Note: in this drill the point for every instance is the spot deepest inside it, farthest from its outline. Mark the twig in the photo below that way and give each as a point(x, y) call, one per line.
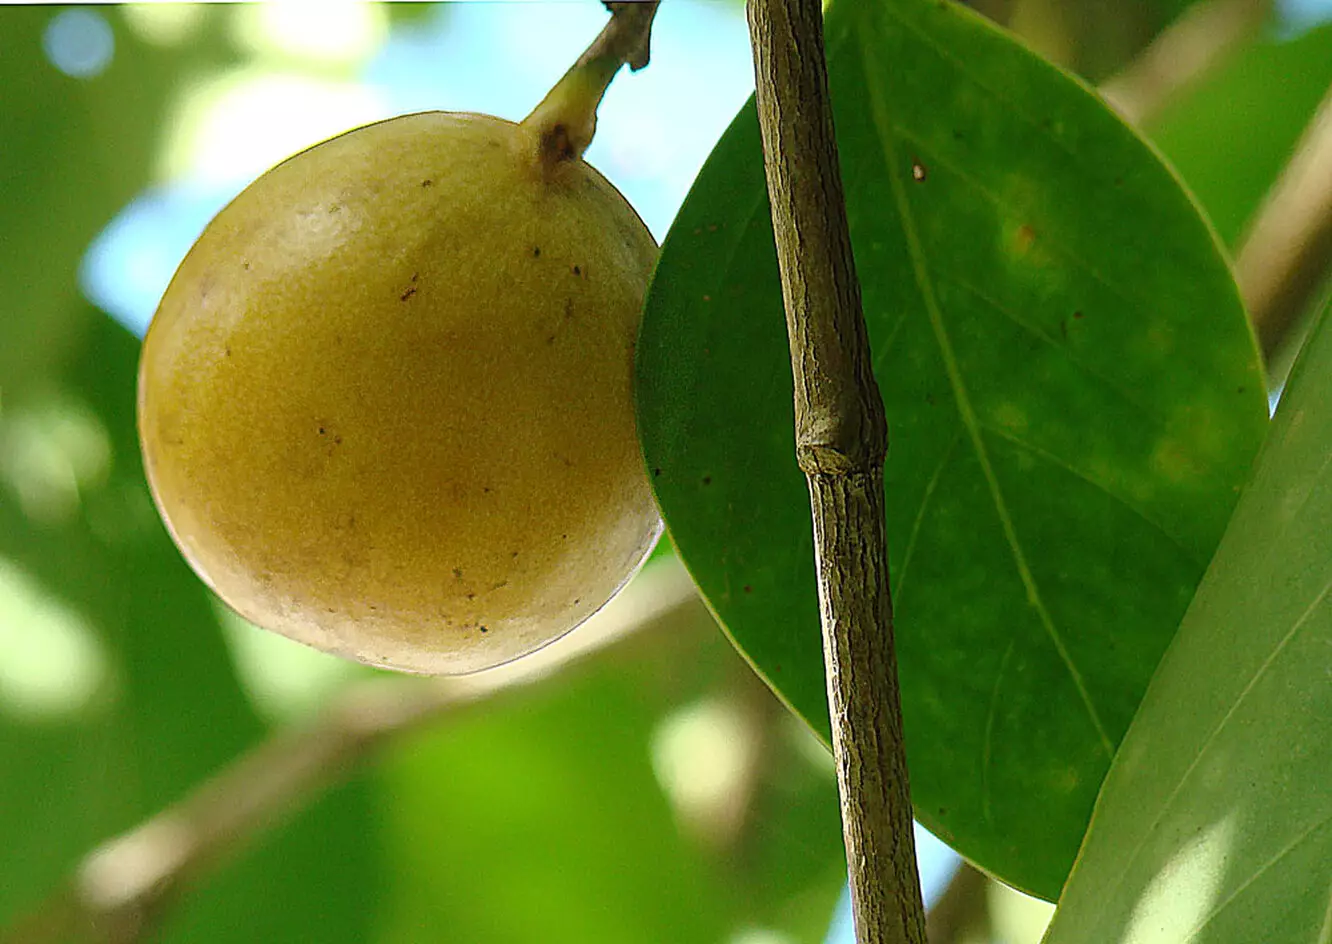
point(1200, 40)
point(119, 889)
point(1287, 253)
point(565, 121)
point(841, 441)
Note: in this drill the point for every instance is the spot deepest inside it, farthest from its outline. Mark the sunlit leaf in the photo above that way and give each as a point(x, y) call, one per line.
point(1215, 821)
point(540, 817)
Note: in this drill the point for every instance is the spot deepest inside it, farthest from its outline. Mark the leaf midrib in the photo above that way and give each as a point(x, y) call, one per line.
point(961, 396)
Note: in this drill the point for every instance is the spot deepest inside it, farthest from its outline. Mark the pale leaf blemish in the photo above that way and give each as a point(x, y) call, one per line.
point(1171, 461)
point(1024, 237)
point(1010, 416)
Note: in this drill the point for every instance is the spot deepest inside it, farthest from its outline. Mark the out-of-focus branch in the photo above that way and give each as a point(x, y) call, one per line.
point(1196, 43)
point(962, 910)
point(120, 888)
point(997, 10)
point(1286, 255)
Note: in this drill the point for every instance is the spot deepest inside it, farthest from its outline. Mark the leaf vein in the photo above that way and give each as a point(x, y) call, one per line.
point(1216, 731)
point(1099, 486)
point(910, 551)
point(1262, 870)
point(970, 422)
point(987, 744)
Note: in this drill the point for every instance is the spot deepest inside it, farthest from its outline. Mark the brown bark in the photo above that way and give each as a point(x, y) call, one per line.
point(841, 442)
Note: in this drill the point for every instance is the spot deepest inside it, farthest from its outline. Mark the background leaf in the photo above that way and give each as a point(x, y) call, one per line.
point(1215, 821)
point(1230, 137)
point(547, 814)
point(558, 809)
point(116, 693)
point(1073, 396)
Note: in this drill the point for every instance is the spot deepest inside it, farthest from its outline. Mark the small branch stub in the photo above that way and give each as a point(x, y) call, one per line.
point(841, 441)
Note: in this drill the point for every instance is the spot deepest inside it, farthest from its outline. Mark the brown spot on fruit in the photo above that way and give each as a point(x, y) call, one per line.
point(556, 145)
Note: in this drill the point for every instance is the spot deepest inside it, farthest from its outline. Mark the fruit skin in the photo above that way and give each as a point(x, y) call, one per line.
point(385, 404)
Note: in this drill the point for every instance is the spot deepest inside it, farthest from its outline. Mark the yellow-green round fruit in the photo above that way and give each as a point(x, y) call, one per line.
point(385, 404)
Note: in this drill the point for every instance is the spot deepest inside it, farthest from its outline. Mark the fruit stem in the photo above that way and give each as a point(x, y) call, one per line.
point(565, 121)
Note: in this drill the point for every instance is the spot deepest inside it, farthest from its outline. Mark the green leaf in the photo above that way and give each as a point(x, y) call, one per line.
point(1073, 395)
point(1215, 821)
point(117, 695)
point(538, 815)
point(1230, 137)
point(528, 823)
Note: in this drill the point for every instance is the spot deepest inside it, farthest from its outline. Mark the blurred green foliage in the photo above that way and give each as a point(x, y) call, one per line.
point(536, 815)
point(1231, 135)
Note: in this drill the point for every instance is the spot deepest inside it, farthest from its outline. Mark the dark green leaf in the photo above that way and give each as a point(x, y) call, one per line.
point(1073, 395)
point(1215, 821)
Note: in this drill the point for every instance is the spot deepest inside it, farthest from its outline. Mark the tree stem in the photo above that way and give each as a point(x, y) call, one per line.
point(841, 442)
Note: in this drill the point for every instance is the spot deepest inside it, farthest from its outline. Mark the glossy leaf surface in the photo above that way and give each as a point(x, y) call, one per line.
point(1073, 396)
point(1215, 822)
